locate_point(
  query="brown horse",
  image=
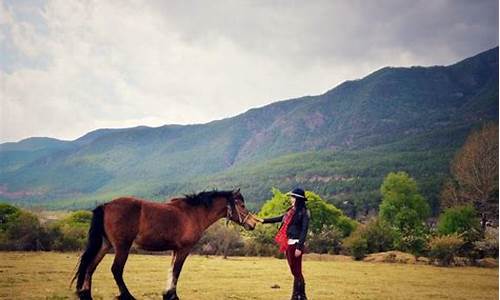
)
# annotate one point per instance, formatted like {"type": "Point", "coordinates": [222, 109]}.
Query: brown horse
{"type": "Point", "coordinates": [176, 225]}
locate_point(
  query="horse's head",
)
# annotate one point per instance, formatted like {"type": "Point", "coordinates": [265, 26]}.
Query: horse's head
{"type": "Point", "coordinates": [238, 213]}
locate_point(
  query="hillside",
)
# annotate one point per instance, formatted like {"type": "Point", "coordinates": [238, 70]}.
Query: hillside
{"type": "Point", "coordinates": [340, 144]}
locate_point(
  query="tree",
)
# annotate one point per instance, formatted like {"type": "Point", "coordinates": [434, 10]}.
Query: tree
{"type": "Point", "coordinates": [461, 220]}
{"type": "Point", "coordinates": [8, 213]}
{"type": "Point", "coordinates": [474, 175]}
{"type": "Point", "coordinates": [405, 209]}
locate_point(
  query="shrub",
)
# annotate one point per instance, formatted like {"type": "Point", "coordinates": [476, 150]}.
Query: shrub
{"type": "Point", "coordinates": [356, 245]}
{"type": "Point", "coordinates": [414, 241]}
{"type": "Point", "coordinates": [328, 240]}
{"type": "Point", "coordinates": [488, 246]}
{"type": "Point", "coordinates": [375, 236]}
{"type": "Point", "coordinates": [68, 238]}
{"type": "Point", "coordinates": [444, 248]}
{"type": "Point", "coordinates": [462, 220]}
{"type": "Point", "coordinates": [220, 239]}
{"type": "Point", "coordinates": [70, 233]}
{"type": "Point", "coordinates": [23, 233]}
{"type": "Point", "coordinates": [379, 236]}
{"type": "Point", "coordinates": [260, 242]}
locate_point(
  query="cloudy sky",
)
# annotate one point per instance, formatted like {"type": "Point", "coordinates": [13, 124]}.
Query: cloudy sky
{"type": "Point", "coordinates": [68, 67]}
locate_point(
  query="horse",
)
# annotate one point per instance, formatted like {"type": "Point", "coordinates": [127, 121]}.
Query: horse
{"type": "Point", "coordinates": [174, 225]}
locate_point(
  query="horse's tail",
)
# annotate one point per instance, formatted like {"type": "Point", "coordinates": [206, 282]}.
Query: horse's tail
{"type": "Point", "coordinates": [96, 235]}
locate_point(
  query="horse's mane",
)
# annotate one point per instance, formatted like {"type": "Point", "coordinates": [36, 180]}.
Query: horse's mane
{"type": "Point", "coordinates": [206, 198]}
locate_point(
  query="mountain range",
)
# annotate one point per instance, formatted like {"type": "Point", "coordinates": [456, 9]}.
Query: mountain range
{"type": "Point", "coordinates": [340, 144]}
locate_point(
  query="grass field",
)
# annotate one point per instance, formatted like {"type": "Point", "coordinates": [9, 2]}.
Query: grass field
{"type": "Point", "coordinates": [25, 275]}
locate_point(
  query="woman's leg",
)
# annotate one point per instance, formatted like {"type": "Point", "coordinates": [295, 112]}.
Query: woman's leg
{"type": "Point", "coordinates": [295, 264]}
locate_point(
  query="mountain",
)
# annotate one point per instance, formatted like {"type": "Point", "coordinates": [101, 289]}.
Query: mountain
{"type": "Point", "coordinates": [341, 144]}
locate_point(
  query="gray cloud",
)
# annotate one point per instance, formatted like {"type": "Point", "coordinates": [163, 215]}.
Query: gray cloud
{"type": "Point", "coordinates": [67, 67]}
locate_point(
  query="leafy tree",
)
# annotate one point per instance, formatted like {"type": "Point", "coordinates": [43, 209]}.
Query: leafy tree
{"type": "Point", "coordinates": [462, 220]}
{"type": "Point", "coordinates": [405, 209]}
{"type": "Point", "coordinates": [8, 213]}
{"type": "Point", "coordinates": [474, 174]}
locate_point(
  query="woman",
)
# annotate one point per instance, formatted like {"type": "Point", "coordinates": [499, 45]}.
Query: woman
{"type": "Point", "coordinates": [291, 237]}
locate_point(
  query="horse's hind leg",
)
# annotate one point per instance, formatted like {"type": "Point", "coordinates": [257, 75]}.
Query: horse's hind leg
{"type": "Point", "coordinates": [121, 255]}
{"type": "Point", "coordinates": [86, 288]}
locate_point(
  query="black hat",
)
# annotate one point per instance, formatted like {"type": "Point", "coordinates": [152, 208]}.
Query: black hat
{"type": "Point", "coordinates": [298, 194]}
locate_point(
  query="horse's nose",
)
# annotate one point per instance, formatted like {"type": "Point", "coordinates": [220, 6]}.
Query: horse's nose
{"type": "Point", "coordinates": [249, 226]}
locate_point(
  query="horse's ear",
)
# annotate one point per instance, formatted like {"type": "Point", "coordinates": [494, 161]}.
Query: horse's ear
{"type": "Point", "coordinates": [237, 191]}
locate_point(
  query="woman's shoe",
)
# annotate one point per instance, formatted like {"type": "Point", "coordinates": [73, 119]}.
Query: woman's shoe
{"type": "Point", "coordinates": [301, 288]}
{"type": "Point", "coordinates": [296, 292]}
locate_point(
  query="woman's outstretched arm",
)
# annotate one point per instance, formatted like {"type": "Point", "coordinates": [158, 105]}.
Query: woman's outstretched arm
{"type": "Point", "coordinates": [273, 220]}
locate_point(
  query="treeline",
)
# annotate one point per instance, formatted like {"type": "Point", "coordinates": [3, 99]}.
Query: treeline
{"type": "Point", "coordinates": [23, 230]}
{"type": "Point", "coordinates": [401, 225]}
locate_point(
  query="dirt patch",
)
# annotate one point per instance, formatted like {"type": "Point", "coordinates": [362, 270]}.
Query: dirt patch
{"type": "Point", "coordinates": [391, 257]}
{"type": "Point", "coordinates": [327, 257]}
{"type": "Point", "coordinates": [488, 263]}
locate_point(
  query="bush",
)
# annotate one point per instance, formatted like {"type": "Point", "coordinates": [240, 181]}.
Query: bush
{"type": "Point", "coordinates": [220, 239]}
{"type": "Point", "coordinates": [444, 248]}
{"type": "Point", "coordinates": [328, 240]}
{"type": "Point", "coordinates": [375, 236]}
{"type": "Point", "coordinates": [23, 233]}
{"type": "Point", "coordinates": [260, 242]}
{"type": "Point", "coordinates": [414, 241]}
{"type": "Point", "coordinates": [379, 236]}
{"type": "Point", "coordinates": [488, 246]}
{"type": "Point", "coordinates": [357, 246]}
{"type": "Point", "coordinates": [70, 233]}
{"type": "Point", "coordinates": [462, 220]}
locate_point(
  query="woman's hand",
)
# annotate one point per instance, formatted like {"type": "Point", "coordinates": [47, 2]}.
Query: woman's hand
{"type": "Point", "coordinates": [298, 252]}
{"type": "Point", "coordinates": [260, 220]}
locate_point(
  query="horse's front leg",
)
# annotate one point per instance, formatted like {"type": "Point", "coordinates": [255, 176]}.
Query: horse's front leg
{"type": "Point", "coordinates": [178, 259]}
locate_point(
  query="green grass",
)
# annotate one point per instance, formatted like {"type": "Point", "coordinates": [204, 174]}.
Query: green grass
{"type": "Point", "coordinates": [25, 275]}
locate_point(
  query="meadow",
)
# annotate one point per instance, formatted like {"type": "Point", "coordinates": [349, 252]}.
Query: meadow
{"type": "Point", "coordinates": [46, 275]}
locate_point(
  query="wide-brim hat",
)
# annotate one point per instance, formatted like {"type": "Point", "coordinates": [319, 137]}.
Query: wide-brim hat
{"type": "Point", "coordinates": [298, 194]}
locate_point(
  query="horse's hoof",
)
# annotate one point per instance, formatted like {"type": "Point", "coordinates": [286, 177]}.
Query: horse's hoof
{"type": "Point", "coordinates": [84, 295]}
{"type": "Point", "coordinates": [170, 295]}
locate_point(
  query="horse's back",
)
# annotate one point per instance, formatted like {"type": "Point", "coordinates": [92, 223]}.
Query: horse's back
{"type": "Point", "coordinates": [150, 225]}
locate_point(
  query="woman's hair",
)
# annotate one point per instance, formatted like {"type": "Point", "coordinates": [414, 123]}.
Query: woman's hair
{"type": "Point", "coordinates": [299, 203]}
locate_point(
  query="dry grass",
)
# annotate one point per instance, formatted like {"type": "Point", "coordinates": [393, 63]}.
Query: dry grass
{"type": "Point", "coordinates": [46, 276]}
